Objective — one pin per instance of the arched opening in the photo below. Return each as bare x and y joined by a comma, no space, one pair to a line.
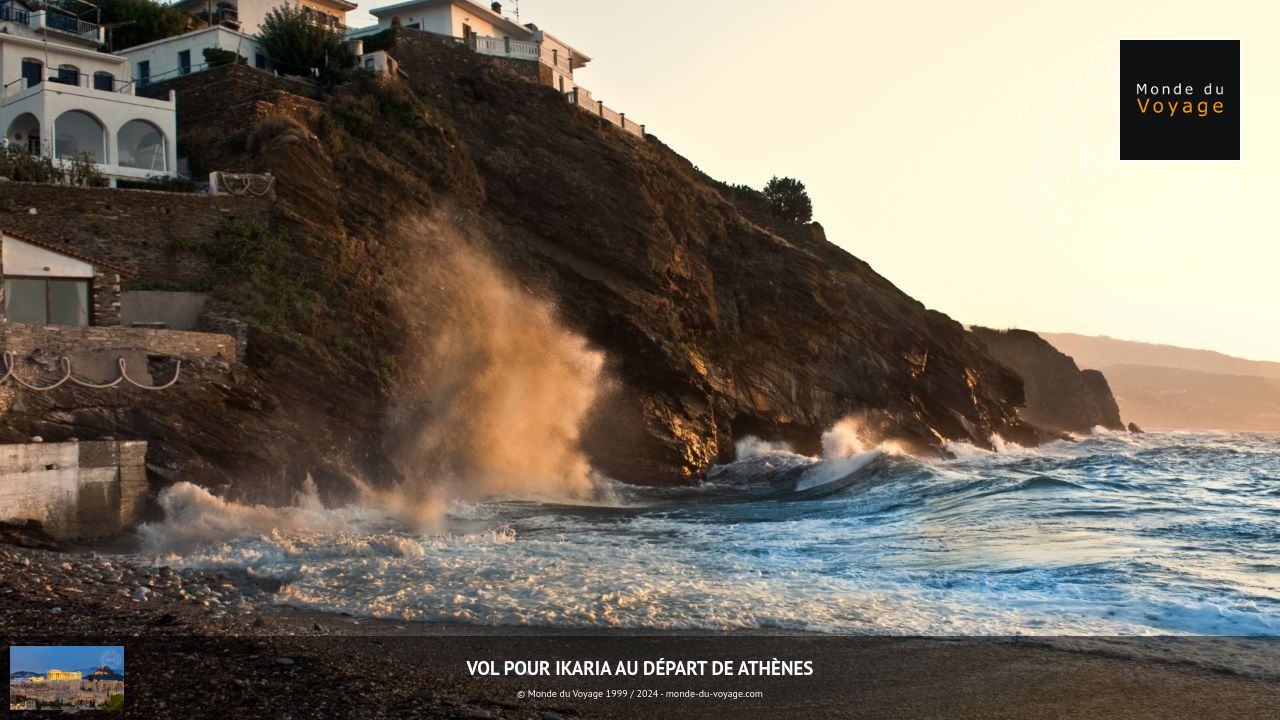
77,132
104,81
68,75
139,144
24,131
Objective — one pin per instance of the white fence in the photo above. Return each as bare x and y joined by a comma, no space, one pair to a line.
506,47
534,52
582,98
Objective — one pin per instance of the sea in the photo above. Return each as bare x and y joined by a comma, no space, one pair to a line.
1110,534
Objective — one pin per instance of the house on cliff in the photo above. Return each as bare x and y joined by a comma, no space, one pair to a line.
488,32
62,98
45,284
232,26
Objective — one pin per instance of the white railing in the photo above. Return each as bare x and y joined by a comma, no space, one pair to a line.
506,47
532,51
581,97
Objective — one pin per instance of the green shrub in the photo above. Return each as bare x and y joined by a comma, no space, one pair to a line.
297,46
217,57
789,200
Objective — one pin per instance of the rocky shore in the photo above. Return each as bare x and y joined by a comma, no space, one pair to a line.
213,645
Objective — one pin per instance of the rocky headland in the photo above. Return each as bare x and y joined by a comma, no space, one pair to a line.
1060,396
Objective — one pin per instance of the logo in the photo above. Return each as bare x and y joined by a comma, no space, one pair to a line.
1179,99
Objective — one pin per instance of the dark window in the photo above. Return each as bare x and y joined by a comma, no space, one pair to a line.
104,81
144,72
32,72
68,75
184,62
259,60
369,64
47,301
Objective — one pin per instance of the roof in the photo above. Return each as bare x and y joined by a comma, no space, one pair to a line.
580,58
187,36
63,250
489,15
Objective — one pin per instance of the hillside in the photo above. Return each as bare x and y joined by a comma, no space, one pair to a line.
1161,397
1164,386
1103,352
464,276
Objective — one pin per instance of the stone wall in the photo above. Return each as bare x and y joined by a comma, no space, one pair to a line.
106,298
23,340
75,490
141,229
205,94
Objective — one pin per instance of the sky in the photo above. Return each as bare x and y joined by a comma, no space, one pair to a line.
42,658
969,151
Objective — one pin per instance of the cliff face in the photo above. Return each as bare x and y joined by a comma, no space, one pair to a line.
1060,396
714,322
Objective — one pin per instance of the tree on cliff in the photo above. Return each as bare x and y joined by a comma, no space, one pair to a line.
789,200
298,46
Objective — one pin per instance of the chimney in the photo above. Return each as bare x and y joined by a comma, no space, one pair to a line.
497,7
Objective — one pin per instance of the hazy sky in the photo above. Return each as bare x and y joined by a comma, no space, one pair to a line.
41,658
969,151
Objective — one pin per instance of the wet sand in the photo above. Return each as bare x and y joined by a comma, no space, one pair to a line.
237,658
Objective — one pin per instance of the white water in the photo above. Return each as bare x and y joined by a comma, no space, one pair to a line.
1116,534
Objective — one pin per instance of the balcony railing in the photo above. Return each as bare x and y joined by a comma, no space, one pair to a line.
9,13
69,24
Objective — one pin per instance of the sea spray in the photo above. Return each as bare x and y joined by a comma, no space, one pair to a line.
491,396
494,391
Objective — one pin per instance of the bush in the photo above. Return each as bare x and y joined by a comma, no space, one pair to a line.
788,200
217,57
298,46
19,163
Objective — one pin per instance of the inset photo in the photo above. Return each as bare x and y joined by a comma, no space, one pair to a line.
68,678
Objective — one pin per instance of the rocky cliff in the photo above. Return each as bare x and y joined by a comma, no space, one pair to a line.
1060,396
712,321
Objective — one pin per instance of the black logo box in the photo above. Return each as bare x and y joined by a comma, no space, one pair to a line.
1194,63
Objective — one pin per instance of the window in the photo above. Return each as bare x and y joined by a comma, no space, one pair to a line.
104,81
68,75
260,61
184,62
369,64
47,301
32,71
144,72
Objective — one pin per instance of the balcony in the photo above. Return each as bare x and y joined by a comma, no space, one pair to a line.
65,22
12,13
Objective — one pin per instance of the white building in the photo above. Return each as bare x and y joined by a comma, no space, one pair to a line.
172,57
247,15
62,97
488,32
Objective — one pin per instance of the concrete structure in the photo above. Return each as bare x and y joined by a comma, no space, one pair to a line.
488,32
247,15
75,490
167,309
59,96
184,54
45,284
379,62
